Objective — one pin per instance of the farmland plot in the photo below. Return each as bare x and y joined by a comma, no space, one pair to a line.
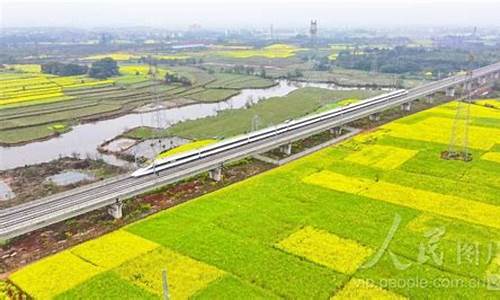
375,217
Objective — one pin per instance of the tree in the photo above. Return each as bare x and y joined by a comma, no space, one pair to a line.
174,78
61,69
104,68
262,72
298,73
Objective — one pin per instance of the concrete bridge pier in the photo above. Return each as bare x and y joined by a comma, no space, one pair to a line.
336,131
116,209
406,106
374,117
467,86
429,99
286,149
216,174
450,92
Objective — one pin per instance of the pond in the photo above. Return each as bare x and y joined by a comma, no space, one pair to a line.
69,177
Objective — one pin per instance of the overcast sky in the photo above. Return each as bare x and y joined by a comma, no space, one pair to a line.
179,14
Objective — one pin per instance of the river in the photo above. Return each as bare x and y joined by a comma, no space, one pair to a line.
84,139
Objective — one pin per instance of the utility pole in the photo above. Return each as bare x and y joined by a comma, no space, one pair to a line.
255,122
166,292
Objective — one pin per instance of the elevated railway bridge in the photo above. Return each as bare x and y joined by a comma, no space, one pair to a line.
110,193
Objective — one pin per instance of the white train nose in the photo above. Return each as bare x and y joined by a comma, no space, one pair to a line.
139,172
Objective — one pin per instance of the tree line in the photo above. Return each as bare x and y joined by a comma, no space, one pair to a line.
100,69
401,60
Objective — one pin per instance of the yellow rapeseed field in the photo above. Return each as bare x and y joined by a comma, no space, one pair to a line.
186,275
434,129
27,68
71,267
26,89
113,249
491,156
381,156
272,51
53,275
326,217
327,249
446,205
476,111
187,147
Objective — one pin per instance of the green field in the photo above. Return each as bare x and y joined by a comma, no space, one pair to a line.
22,88
237,81
314,228
118,56
213,95
274,110
31,102
347,77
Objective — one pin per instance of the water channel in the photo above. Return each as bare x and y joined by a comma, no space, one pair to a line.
84,139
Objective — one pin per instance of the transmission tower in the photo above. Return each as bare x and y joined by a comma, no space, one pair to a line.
158,115
458,148
313,32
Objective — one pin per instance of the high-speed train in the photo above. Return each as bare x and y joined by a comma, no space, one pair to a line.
188,156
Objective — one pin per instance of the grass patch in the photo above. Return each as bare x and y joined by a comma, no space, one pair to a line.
360,289
229,287
118,56
271,111
13,136
107,285
213,95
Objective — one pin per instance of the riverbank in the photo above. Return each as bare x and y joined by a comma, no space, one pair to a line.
95,133
41,180
263,114
31,123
